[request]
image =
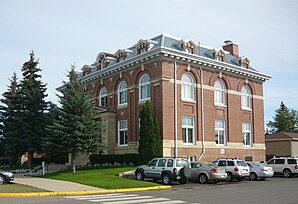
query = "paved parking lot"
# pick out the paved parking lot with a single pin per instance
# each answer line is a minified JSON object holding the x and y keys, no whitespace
{"x":275,"y":190}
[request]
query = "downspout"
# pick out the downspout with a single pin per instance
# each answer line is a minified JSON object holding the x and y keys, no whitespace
{"x":202,"y":112}
{"x":175,"y":109}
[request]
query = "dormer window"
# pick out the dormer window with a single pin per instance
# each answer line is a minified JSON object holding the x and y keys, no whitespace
{"x":121,"y":59}
{"x":143,"y":50}
{"x":143,"y":47}
{"x":121,"y":55}
{"x":188,"y":50}
{"x":244,"y":62}
{"x":188,"y":47}
{"x":219,"y":56}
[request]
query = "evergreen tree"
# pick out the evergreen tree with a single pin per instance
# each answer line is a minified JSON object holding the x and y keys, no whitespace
{"x":150,"y":143}
{"x":158,"y":147}
{"x":10,"y":122}
{"x":285,"y":119}
{"x":33,"y":108}
{"x":76,"y":127}
{"x":52,"y":143}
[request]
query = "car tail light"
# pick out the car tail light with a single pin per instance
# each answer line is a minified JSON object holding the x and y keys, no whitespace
{"x":236,"y":169}
{"x":213,"y":170}
{"x":296,"y":166}
{"x":175,"y":171}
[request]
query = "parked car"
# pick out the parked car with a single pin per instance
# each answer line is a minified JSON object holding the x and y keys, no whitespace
{"x":6,"y":177}
{"x":167,"y":169}
{"x":258,"y":170}
{"x":287,"y":166}
{"x":235,"y":168}
{"x":207,"y":172}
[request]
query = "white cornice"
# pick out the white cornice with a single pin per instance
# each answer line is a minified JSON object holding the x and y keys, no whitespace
{"x":163,"y":52}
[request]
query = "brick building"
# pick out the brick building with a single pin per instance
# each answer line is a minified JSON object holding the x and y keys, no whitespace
{"x":209,"y":102}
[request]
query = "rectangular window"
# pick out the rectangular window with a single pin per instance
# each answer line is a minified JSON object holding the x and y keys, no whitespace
{"x":220,"y":132}
{"x":188,"y":50}
{"x":123,"y":97}
{"x":246,"y":134}
{"x":188,"y":130}
{"x":104,"y":101}
{"x":145,"y":91}
{"x":122,"y":133}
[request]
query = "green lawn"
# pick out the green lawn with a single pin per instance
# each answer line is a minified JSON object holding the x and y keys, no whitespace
{"x":102,"y":178}
{"x":18,"y":188}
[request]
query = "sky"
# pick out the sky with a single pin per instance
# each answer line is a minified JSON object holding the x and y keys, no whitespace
{"x":66,"y":32}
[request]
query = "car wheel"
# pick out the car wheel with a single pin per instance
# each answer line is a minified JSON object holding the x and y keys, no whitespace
{"x":287,"y":173}
{"x":253,"y":176}
{"x":229,"y":177}
{"x":2,"y":179}
{"x":139,"y":175}
{"x":166,"y":179}
{"x":203,"y":178}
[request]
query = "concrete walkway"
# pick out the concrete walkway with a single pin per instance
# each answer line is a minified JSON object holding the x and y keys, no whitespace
{"x":51,"y":184}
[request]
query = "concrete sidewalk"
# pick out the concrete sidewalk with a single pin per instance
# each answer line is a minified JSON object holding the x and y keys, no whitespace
{"x":51,"y":184}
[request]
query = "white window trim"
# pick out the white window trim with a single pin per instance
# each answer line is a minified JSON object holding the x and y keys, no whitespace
{"x":140,"y":88}
{"x":220,"y":129}
{"x":193,"y":131}
{"x":250,"y":135}
{"x":119,"y":92}
{"x":119,"y":130}
{"x":192,"y":84}
{"x":246,"y":95}
{"x":103,"y":96}
{"x":221,"y":90}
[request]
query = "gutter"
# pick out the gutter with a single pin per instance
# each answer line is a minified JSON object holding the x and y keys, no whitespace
{"x":203,"y":116}
{"x":175,"y":109}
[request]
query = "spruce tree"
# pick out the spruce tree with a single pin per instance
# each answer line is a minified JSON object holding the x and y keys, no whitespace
{"x":149,"y":144}
{"x":285,"y":120}
{"x":33,"y":108}
{"x":10,"y":122}
{"x":76,"y":127}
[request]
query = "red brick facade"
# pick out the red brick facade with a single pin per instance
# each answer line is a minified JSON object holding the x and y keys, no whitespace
{"x":161,"y":70}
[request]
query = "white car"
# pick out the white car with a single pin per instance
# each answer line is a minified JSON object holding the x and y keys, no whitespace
{"x":287,"y":166}
{"x":258,"y":170}
{"x":235,"y":168}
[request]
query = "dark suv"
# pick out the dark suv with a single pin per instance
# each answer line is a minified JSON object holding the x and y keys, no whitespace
{"x":166,"y":169}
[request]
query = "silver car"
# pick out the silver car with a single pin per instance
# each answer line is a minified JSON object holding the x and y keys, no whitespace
{"x":204,"y":173}
{"x":258,"y":170}
{"x":6,"y":177}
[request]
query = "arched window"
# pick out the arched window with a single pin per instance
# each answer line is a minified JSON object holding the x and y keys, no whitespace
{"x":219,"y":93}
{"x":187,"y":87}
{"x":245,"y":97}
{"x":103,"y":97}
{"x":122,"y":93}
{"x":144,"y":87}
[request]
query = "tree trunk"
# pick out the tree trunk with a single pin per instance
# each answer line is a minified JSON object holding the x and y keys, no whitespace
{"x":30,"y":159}
{"x":73,"y":161}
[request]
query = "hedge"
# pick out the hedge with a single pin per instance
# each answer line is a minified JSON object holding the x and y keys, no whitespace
{"x":113,"y":158}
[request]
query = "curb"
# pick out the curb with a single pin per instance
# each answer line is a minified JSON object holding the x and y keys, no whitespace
{"x":84,"y":192}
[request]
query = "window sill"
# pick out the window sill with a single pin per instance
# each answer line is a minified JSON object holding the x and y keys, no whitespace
{"x":188,"y":100}
{"x":188,"y":144}
{"x":220,"y":105}
{"x":122,"y":106}
{"x":122,"y":145}
{"x":221,"y":145}
{"x":141,"y":101}
{"x":247,"y":146}
{"x":246,"y":109}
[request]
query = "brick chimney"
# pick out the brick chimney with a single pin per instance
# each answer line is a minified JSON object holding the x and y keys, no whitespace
{"x":231,"y":47}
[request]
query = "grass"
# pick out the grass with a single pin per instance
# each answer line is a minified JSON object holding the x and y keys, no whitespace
{"x":18,"y":188}
{"x":102,"y":178}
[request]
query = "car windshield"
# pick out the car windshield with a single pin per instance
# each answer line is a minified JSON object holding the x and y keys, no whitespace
{"x":241,"y":163}
{"x":181,"y":163}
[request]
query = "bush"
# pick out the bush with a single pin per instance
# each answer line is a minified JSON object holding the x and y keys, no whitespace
{"x":4,"y":161}
{"x":113,"y":158}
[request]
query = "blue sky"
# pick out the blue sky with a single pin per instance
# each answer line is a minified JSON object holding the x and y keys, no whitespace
{"x":63,"y":32}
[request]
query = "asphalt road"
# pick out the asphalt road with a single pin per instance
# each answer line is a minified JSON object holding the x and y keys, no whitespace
{"x":275,"y":190}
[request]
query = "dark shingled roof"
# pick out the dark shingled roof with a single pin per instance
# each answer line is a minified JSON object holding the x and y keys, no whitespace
{"x":281,"y":136}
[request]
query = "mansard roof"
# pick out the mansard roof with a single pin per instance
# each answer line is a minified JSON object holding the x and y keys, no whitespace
{"x":167,"y":46}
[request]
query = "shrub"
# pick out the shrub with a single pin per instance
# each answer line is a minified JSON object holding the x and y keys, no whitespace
{"x":113,"y":158}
